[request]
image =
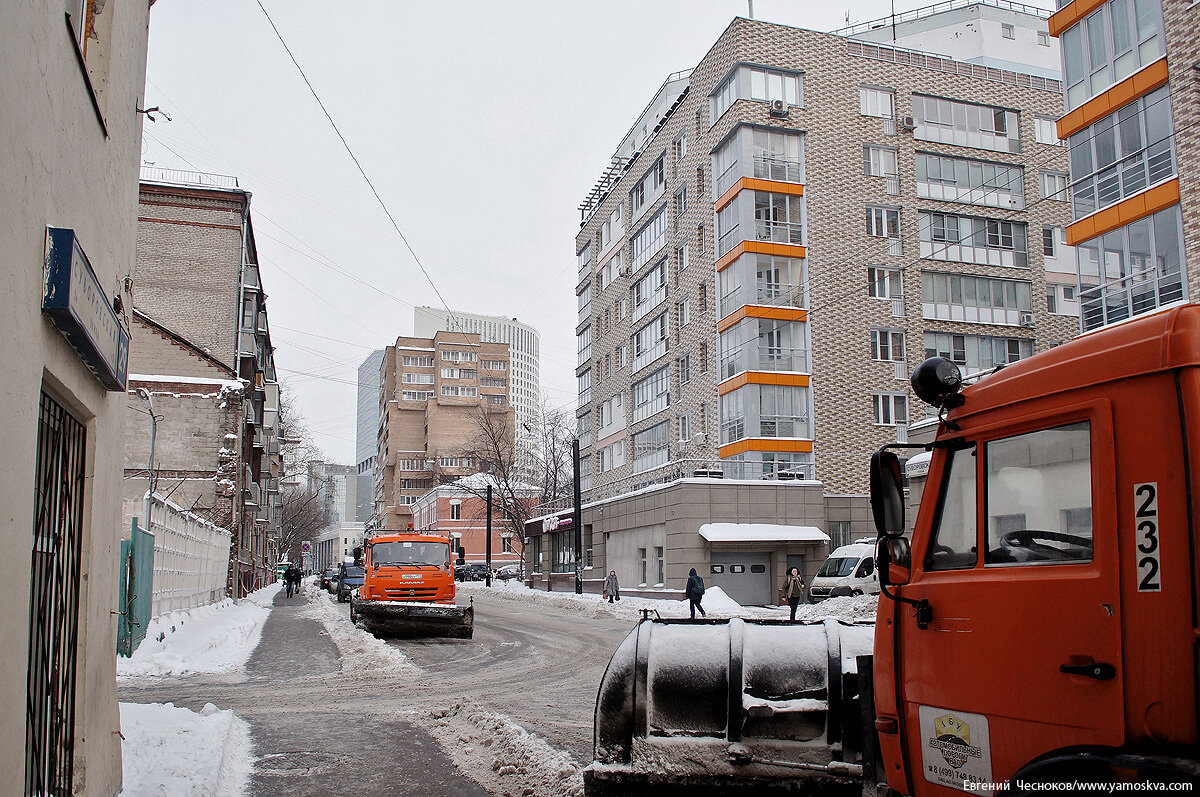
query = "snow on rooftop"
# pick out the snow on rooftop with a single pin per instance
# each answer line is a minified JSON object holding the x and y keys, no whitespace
{"x":216,"y":381}
{"x":761,"y":532}
{"x":480,"y":481}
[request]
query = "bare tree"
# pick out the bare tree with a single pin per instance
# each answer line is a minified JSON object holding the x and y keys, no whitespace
{"x":295,"y":437}
{"x":522,"y":478}
{"x":305,"y":515}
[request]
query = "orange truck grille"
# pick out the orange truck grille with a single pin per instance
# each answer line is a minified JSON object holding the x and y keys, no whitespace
{"x":411,"y":593}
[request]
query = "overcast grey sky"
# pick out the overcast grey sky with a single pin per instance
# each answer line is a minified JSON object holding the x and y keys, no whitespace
{"x":482,"y":125}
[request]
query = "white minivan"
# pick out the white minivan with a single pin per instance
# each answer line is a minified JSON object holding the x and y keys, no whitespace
{"x":851,"y":566}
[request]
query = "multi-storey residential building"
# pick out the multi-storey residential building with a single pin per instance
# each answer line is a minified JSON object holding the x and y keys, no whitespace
{"x":458,"y":510}
{"x":203,"y":314}
{"x":439,"y":399}
{"x":523,"y":346}
{"x":367,"y":439}
{"x":790,"y":228}
{"x":70,"y":157}
{"x":1131,"y":117}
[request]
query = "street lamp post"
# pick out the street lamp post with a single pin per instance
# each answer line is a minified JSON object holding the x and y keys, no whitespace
{"x":577,"y":521}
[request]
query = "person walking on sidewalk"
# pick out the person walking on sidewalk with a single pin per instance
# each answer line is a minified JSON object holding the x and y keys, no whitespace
{"x":694,"y":592}
{"x":612,"y":589}
{"x":291,"y":579}
{"x":793,"y":590}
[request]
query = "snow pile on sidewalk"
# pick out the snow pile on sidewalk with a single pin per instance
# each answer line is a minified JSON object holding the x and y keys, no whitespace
{"x":174,"y":752}
{"x":363,"y":654}
{"x":716,"y":602}
{"x":217,"y":638}
{"x":502,"y":756}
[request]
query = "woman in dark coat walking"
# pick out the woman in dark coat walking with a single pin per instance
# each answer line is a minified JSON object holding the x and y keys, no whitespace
{"x":793,"y":590}
{"x":612,"y":588}
{"x":694,"y":592}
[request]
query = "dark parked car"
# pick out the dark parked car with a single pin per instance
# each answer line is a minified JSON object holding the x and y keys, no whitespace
{"x":476,"y":571}
{"x":327,"y":577}
{"x":350,"y":577}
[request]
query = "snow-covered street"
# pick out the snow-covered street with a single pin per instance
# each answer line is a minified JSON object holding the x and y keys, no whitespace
{"x":326,"y":707}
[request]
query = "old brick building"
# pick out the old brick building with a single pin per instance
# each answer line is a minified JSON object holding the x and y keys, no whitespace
{"x":439,"y":398}
{"x":458,"y":510}
{"x":790,"y":228}
{"x":1132,"y":112}
{"x":201,"y":359}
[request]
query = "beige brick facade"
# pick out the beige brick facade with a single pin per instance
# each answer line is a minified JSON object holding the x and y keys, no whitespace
{"x":841,"y":373}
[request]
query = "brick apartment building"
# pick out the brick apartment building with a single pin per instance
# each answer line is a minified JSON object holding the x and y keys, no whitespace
{"x":436,"y":397}
{"x":458,"y":510}
{"x":789,"y":229}
{"x":1132,"y":111}
{"x":201,"y":357}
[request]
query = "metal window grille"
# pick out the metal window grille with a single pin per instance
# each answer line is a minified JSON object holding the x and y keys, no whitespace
{"x":54,"y":601}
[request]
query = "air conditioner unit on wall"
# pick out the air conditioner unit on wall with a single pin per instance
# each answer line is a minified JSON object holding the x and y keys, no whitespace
{"x":1026,"y":320}
{"x":908,"y":123}
{"x":779,"y":108}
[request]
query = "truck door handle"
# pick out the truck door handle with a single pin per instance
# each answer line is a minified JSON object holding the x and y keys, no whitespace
{"x":1099,"y":670}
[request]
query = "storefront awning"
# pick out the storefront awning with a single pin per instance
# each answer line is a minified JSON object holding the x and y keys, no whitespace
{"x":761,"y":532}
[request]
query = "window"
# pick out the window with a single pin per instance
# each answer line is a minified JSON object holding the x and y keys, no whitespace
{"x":887,"y":345}
{"x":1112,"y":43}
{"x":649,"y":239}
{"x":450,"y":355}
{"x":583,"y":345}
{"x":877,"y":102}
{"x":652,"y":394}
{"x":1046,"y":131}
{"x":612,"y":229}
{"x":1039,"y":497}
{"x":458,"y":390}
{"x":891,"y":409}
{"x":985,"y":300}
{"x":491,"y":381}
{"x":723,"y":97}
{"x":782,"y":411}
{"x":1054,"y":185}
{"x":415,"y":395}
{"x":733,"y":416}
{"x":679,"y":149}
{"x":685,"y":428}
{"x":880,"y":161}
{"x":883,"y":222}
{"x":412,"y":464}
{"x":970,"y":239}
{"x":955,"y":541}
{"x":642,"y":556}
{"x":612,"y":456}
{"x":966,"y":124}
{"x":454,"y":462}
{"x":1132,"y":269}
{"x":770,"y":85}
{"x":459,"y":373}
{"x":650,"y":291}
{"x":455,"y":510}
{"x":648,"y":189}
{"x":494,"y":399}
{"x":650,"y":342}
{"x":1123,"y":153}
{"x":493,"y":365}
{"x":1043,"y":39}
{"x":585,"y":260}
{"x":584,"y":382}
{"x":681,"y":257}
{"x":1048,"y":241}
{"x":650,"y":447}
{"x":416,"y":379}
{"x":418,"y":362}
{"x":884,"y":283}
{"x":976,"y":353}
{"x":1007,"y":31}
{"x":971,"y":181}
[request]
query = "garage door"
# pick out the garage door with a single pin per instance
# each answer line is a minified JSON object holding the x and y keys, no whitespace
{"x":745,"y":577}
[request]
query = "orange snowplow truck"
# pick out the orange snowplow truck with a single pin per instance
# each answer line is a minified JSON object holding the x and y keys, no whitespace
{"x":1036,"y":631}
{"x":408,"y":589}
{"x":1041,"y":626}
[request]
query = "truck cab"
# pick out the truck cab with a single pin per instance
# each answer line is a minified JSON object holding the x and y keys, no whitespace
{"x":1041,"y":625}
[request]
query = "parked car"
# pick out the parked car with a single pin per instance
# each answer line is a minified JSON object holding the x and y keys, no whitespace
{"x":507,"y":572}
{"x":350,"y":577}
{"x":328,"y":576}
{"x":849,"y":570}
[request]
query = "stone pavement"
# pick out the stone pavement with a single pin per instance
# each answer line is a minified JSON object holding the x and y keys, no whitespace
{"x":305,"y":740}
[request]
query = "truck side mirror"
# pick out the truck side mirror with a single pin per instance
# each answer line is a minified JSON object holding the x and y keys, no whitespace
{"x":358,"y":553}
{"x":895,"y":560}
{"x":887,"y":493}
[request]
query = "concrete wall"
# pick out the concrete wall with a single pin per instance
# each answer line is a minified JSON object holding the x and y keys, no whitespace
{"x":65,"y":167}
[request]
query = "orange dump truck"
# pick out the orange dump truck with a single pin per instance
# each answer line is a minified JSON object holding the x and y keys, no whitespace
{"x":1037,"y":628}
{"x":408,"y":589}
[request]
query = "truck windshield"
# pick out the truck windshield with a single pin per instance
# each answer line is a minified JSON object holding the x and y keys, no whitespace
{"x":838,"y":567}
{"x":435,"y":554}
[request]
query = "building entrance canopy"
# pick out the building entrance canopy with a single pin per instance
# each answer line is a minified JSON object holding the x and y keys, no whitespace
{"x":761,"y":532}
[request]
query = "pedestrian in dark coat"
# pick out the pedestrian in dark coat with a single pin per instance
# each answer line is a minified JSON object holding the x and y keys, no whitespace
{"x":291,"y":578}
{"x":694,"y":592}
{"x":793,"y":590}
{"x":611,"y":588}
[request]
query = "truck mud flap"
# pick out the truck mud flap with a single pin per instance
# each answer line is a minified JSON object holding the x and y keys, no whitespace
{"x":397,"y":619}
{"x":730,"y":707}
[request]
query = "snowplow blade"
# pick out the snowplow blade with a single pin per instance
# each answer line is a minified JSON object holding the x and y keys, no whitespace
{"x":408,"y":620}
{"x":735,"y":706}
